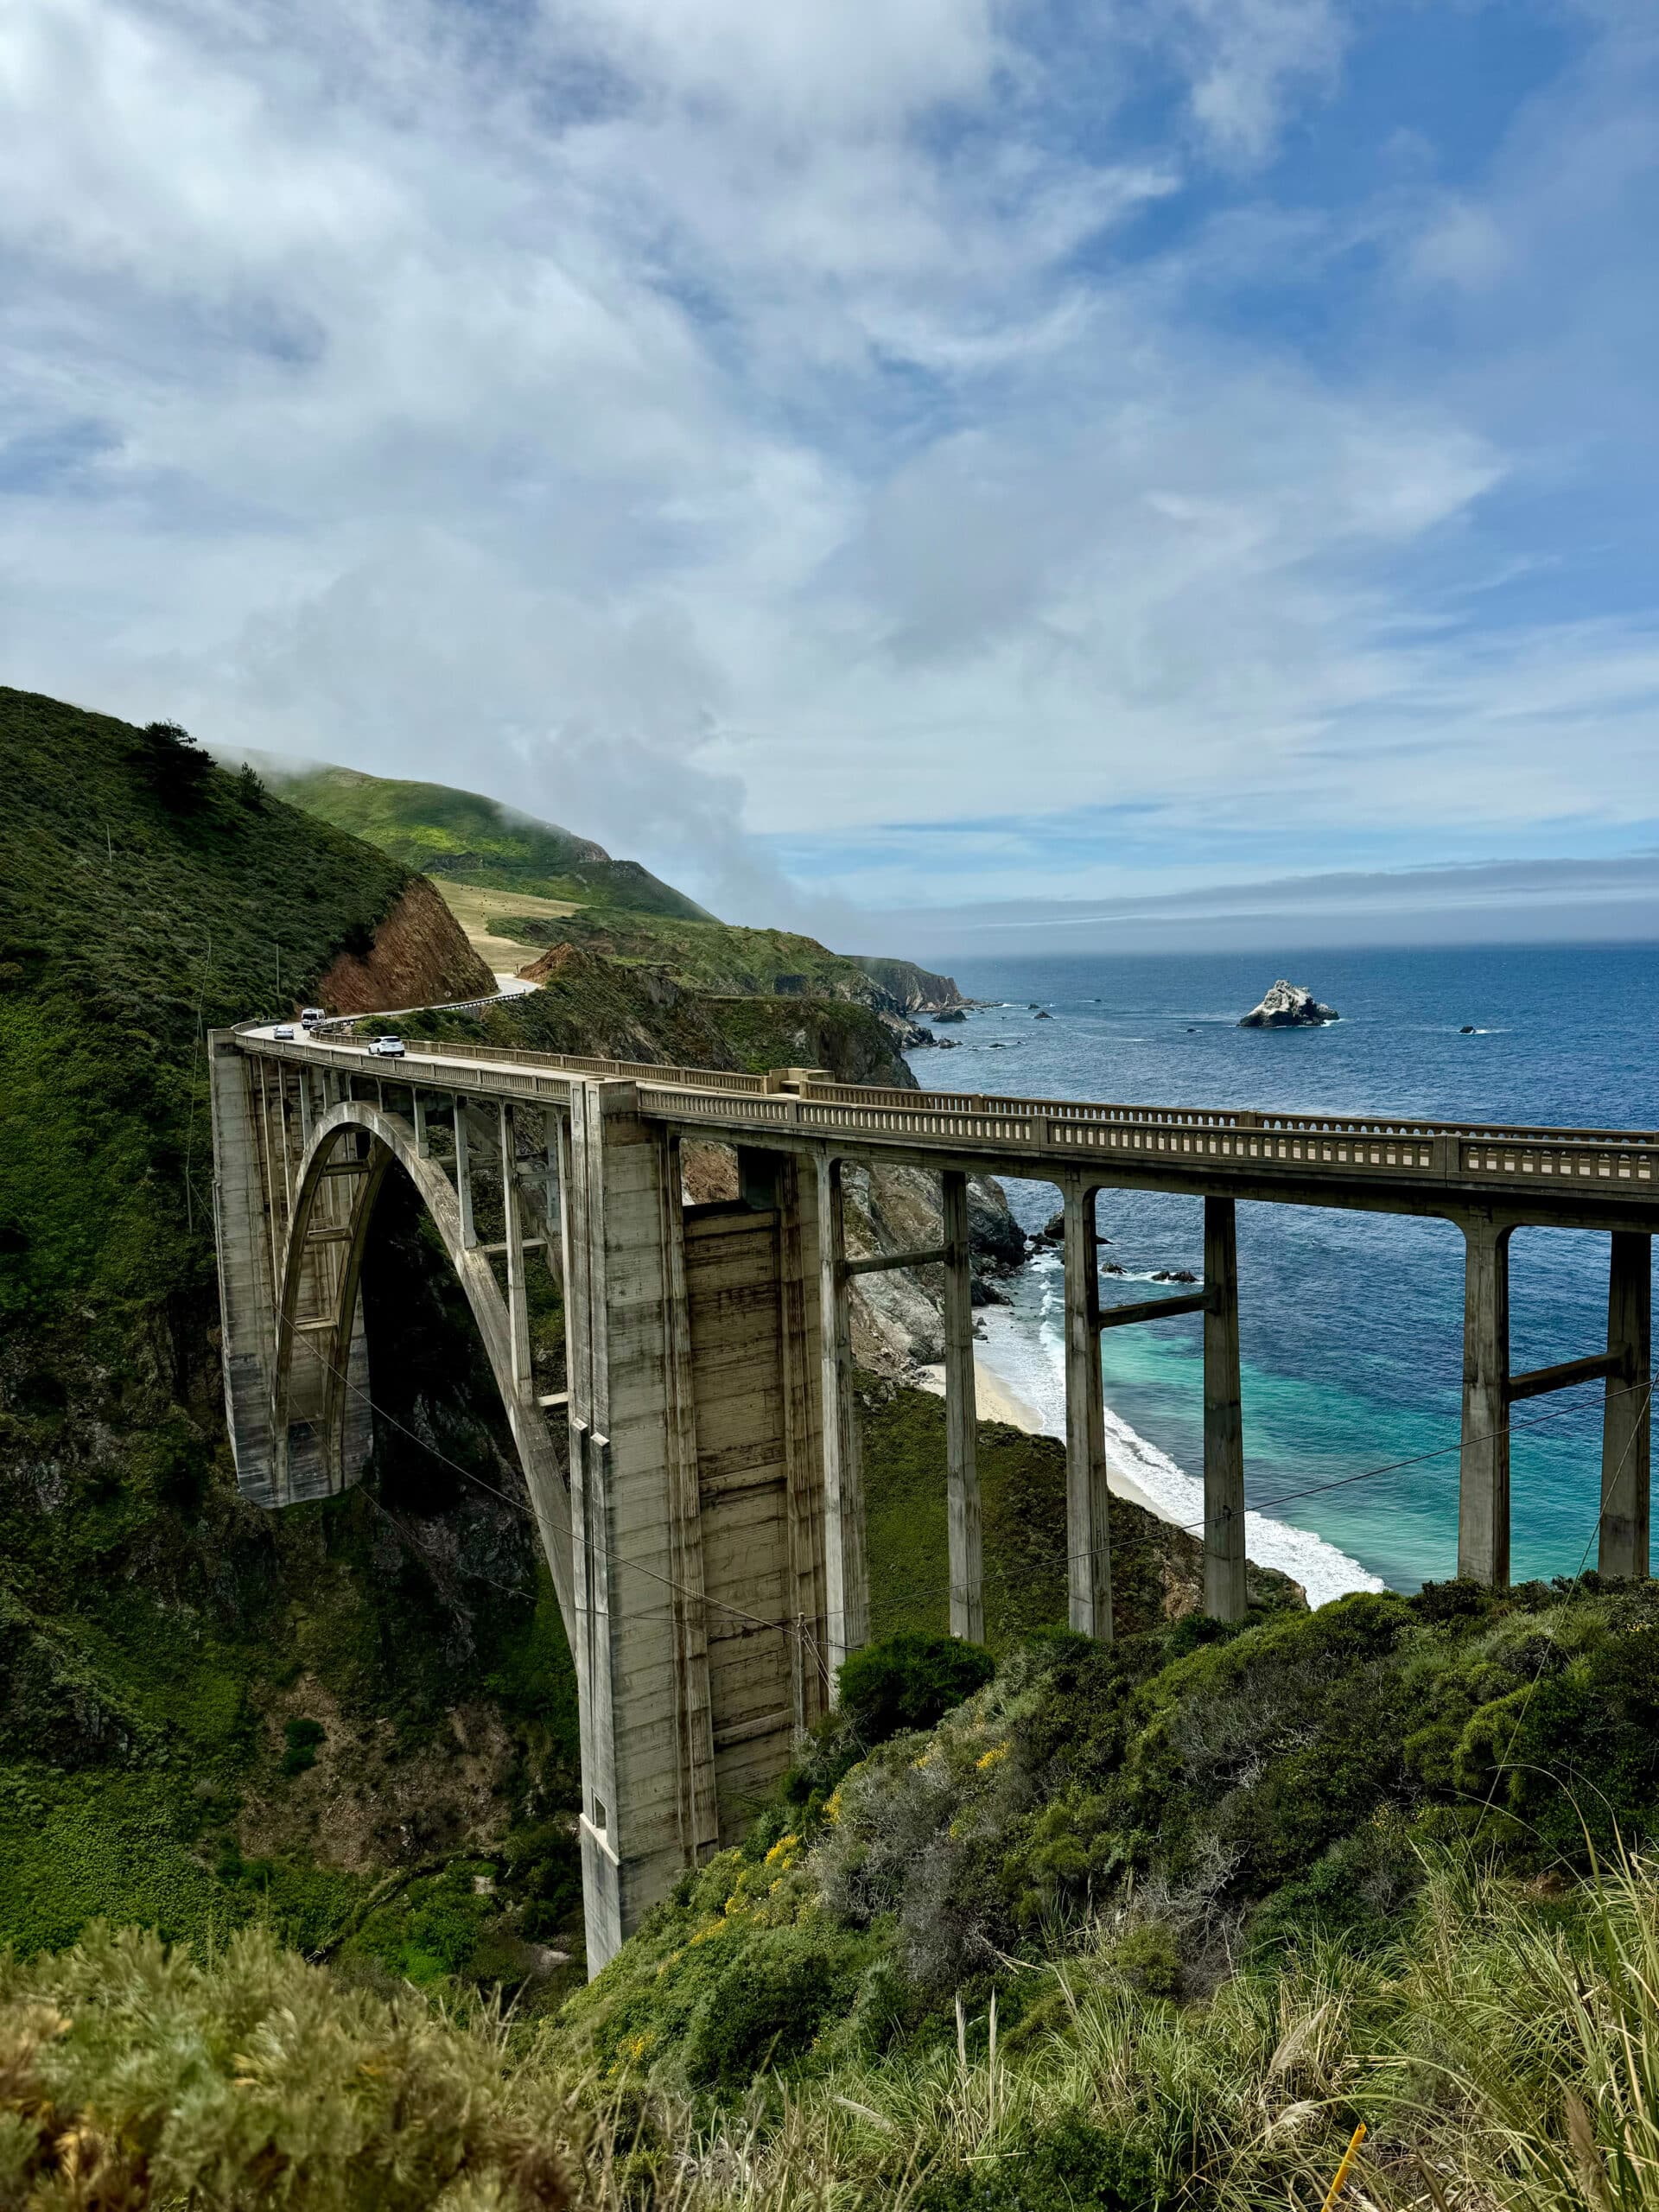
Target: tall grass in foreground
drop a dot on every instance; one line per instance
(1506, 2055)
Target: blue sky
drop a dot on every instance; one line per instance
(913, 453)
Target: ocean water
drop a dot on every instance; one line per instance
(1351, 1324)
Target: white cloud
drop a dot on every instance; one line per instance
(698, 421)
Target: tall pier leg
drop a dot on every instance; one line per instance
(464, 1175)
(847, 1590)
(1483, 1467)
(1224, 1424)
(1626, 1421)
(1088, 1499)
(517, 1296)
(962, 1480)
(641, 1666)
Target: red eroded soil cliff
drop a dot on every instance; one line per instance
(420, 957)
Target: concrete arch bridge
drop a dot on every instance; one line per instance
(695, 1478)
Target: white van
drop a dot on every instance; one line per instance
(311, 1015)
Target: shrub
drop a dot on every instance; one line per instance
(910, 1681)
(302, 1738)
(766, 2006)
(1069, 2166)
(135, 2075)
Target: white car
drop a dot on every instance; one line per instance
(388, 1048)
(285, 1030)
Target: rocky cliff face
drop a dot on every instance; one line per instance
(898, 1319)
(906, 989)
(418, 957)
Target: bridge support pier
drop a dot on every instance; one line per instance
(699, 1537)
(1088, 1497)
(1223, 1428)
(845, 1566)
(961, 1418)
(1483, 1460)
(1626, 1421)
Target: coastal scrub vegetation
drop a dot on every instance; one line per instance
(1178, 1803)
(795, 2030)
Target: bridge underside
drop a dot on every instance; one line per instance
(690, 1449)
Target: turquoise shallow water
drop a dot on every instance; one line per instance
(1351, 1324)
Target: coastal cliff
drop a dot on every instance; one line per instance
(417, 955)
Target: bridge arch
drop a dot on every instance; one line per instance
(354, 1135)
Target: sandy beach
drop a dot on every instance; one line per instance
(997, 1400)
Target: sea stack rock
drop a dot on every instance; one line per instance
(1287, 1005)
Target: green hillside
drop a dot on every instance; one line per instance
(445, 832)
(727, 959)
(187, 1684)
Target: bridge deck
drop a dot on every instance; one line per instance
(1384, 1163)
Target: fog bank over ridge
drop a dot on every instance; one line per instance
(1498, 902)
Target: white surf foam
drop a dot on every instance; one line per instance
(1032, 1362)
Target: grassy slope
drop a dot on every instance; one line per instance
(1155, 1813)
(715, 956)
(1502, 2053)
(125, 929)
(1022, 1502)
(445, 832)
(158, 1632)
(923, 1993)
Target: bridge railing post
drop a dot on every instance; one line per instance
(1088, 1497)
(1484, 1459)
(1626, 1421)
(1224, 1569)
(961, 1418)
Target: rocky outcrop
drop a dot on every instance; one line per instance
(418, 956)
(1288, 1006)
(898, 1319)
(908, 988)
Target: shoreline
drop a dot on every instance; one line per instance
(997, 1400)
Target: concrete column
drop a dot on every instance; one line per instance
(801, 1358)
(247, 1293)
(1626, 1421)
(629, 1417)
(1223, 1426)
(464, 1175)
(512, 1214)
(961, 1418)
(422, 1137)
(847, 1593)
(699, 1806)
(1088, 1499)
(1484, 1466)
